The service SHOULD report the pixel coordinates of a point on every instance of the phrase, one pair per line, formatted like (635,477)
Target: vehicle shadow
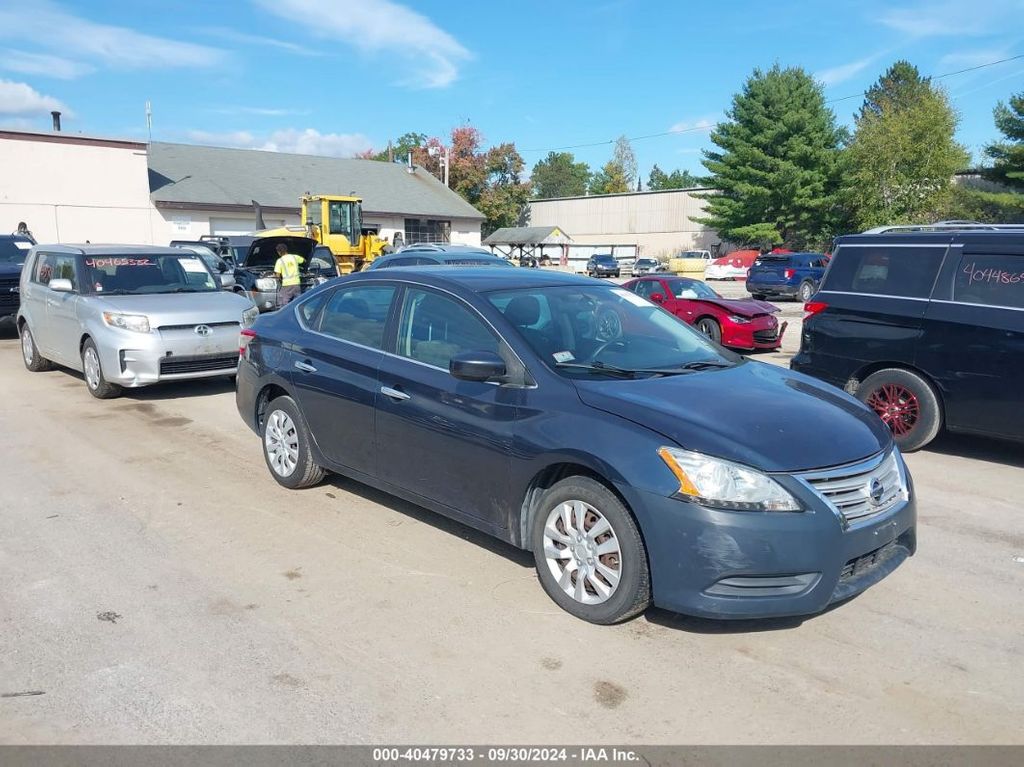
(437,521)
(200,387)
(979,448)
(8,331)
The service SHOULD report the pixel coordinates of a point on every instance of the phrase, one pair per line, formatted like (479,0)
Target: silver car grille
(863,490)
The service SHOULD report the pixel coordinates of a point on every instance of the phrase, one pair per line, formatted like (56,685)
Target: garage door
(229,226)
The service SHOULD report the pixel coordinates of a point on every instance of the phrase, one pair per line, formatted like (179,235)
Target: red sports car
(740,323)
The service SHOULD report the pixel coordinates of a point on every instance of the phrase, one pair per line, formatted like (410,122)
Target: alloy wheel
(897,406)
(91,365)
(582,552)
(282,443)
(28,349)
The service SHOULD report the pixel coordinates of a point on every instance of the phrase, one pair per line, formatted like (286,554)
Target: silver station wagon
(128,315)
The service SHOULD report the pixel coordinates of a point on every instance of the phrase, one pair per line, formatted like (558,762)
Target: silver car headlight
(266,283)
(138,323)
(249,316)
(725,485)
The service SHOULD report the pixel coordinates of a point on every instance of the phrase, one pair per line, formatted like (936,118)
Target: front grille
(864,564)
(862,490)
(198,364)
(194,325)
(766,336)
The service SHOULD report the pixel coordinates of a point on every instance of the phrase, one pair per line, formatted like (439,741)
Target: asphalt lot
(157,586)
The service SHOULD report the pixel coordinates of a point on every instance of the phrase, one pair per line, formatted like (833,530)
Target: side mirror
(61,285)
(476,366)
(656,298)
(222,267)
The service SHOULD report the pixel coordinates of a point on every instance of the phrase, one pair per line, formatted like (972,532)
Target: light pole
(443,159)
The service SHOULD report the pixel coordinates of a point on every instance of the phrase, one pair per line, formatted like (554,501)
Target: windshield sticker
(563,356)
(102,263)
(98,287)
(22,245)
(633,298)
(192,265)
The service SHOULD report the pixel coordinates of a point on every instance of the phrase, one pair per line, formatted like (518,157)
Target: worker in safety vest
(287,270)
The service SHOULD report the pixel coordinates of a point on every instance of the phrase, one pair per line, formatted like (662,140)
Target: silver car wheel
(91,368)
(28,349)
(582,552)
(281,441)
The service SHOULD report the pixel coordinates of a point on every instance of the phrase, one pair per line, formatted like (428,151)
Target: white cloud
(431,55)
(953,17)
(693,126)
(843,72)
(23,100)
(258,41)
(48,25)
(290,140)
(43,64)
(260,111)
(967,59)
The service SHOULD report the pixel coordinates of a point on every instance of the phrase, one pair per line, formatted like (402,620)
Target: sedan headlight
(266,283)
(138,323)
(725,485)
(249,316)
(739,320)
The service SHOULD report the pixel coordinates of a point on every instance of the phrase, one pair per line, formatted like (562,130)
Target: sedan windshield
(585,331)
(691,289)
(147,273)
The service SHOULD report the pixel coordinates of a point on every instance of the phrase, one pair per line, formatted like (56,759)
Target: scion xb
(576,420)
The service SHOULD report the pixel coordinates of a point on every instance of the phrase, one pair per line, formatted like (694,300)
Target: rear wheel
(98,386)
(286,446)
(30,353)
(589,554)
(805,291)
(906,403)
(710,328)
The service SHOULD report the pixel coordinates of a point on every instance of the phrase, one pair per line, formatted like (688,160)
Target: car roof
(480,279)
(430,247)
(111,249)
(440,256)
(935,238)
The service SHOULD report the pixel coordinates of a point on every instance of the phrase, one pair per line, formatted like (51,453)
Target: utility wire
(696,128)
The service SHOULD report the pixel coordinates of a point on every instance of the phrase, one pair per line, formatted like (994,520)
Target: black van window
(990,280)
(883,270)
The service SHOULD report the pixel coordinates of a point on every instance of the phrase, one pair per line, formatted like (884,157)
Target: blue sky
(338,76)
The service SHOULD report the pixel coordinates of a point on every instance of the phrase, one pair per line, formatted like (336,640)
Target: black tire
(98,386)
(758,296)
(710,328)
(30,352)
(632,595)
(305,472)
(896,386)
(806,291)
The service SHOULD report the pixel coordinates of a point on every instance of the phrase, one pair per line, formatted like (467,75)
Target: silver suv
(128,315)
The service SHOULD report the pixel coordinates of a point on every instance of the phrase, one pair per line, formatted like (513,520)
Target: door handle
(387,391)
(305,367)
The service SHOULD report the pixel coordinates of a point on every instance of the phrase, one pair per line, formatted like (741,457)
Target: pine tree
(1008,155)
(776,163)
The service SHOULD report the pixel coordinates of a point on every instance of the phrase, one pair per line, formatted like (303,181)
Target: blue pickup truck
(791,275)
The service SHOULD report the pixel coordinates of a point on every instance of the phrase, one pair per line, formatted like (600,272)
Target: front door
(334,371)
(973,342)
(438,437)
(62,330)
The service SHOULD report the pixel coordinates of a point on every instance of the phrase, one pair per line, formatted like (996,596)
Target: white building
(659,223)
(70,188)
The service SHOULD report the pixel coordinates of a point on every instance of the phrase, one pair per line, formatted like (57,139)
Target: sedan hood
(178,308)
(744,307)
(754,413)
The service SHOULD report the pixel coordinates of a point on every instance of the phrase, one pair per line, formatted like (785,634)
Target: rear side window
(996,280)
(358,314)
(882,270)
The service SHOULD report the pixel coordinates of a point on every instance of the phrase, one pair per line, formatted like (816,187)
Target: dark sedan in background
(558,414)
(603,265)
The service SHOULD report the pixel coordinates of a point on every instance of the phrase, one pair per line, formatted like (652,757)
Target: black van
(926,327)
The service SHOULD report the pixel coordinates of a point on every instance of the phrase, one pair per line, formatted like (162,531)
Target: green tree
(677,179)
(1008,155)
(903,155)
(624,157)
(611,179)
(901,84)
(505,196)
(776,163)
(559,175)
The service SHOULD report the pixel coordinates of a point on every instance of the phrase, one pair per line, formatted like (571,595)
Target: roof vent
(56,121)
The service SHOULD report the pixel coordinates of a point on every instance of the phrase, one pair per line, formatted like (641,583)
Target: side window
(358,314)
(52,267)
(434,328)
(309,308)
(882,270)
(43,270)
(990,280)
(646,287)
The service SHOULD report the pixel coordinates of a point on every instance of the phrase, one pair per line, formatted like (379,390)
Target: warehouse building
(72,188)
(659,223)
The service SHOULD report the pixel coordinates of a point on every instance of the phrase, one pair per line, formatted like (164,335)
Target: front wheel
(30,352)
(286,446)
(710,328)
(906,403)
(806,291)
(95,382)
(589,554)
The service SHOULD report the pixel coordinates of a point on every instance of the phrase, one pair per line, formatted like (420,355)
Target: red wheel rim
(897,406)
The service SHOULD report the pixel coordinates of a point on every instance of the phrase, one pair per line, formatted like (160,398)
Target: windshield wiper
(598,367)
(705,365)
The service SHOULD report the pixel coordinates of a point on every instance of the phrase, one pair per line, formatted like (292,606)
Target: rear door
(973,342)
(334,370)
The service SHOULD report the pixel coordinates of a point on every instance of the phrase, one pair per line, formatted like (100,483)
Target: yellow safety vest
(288,267)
